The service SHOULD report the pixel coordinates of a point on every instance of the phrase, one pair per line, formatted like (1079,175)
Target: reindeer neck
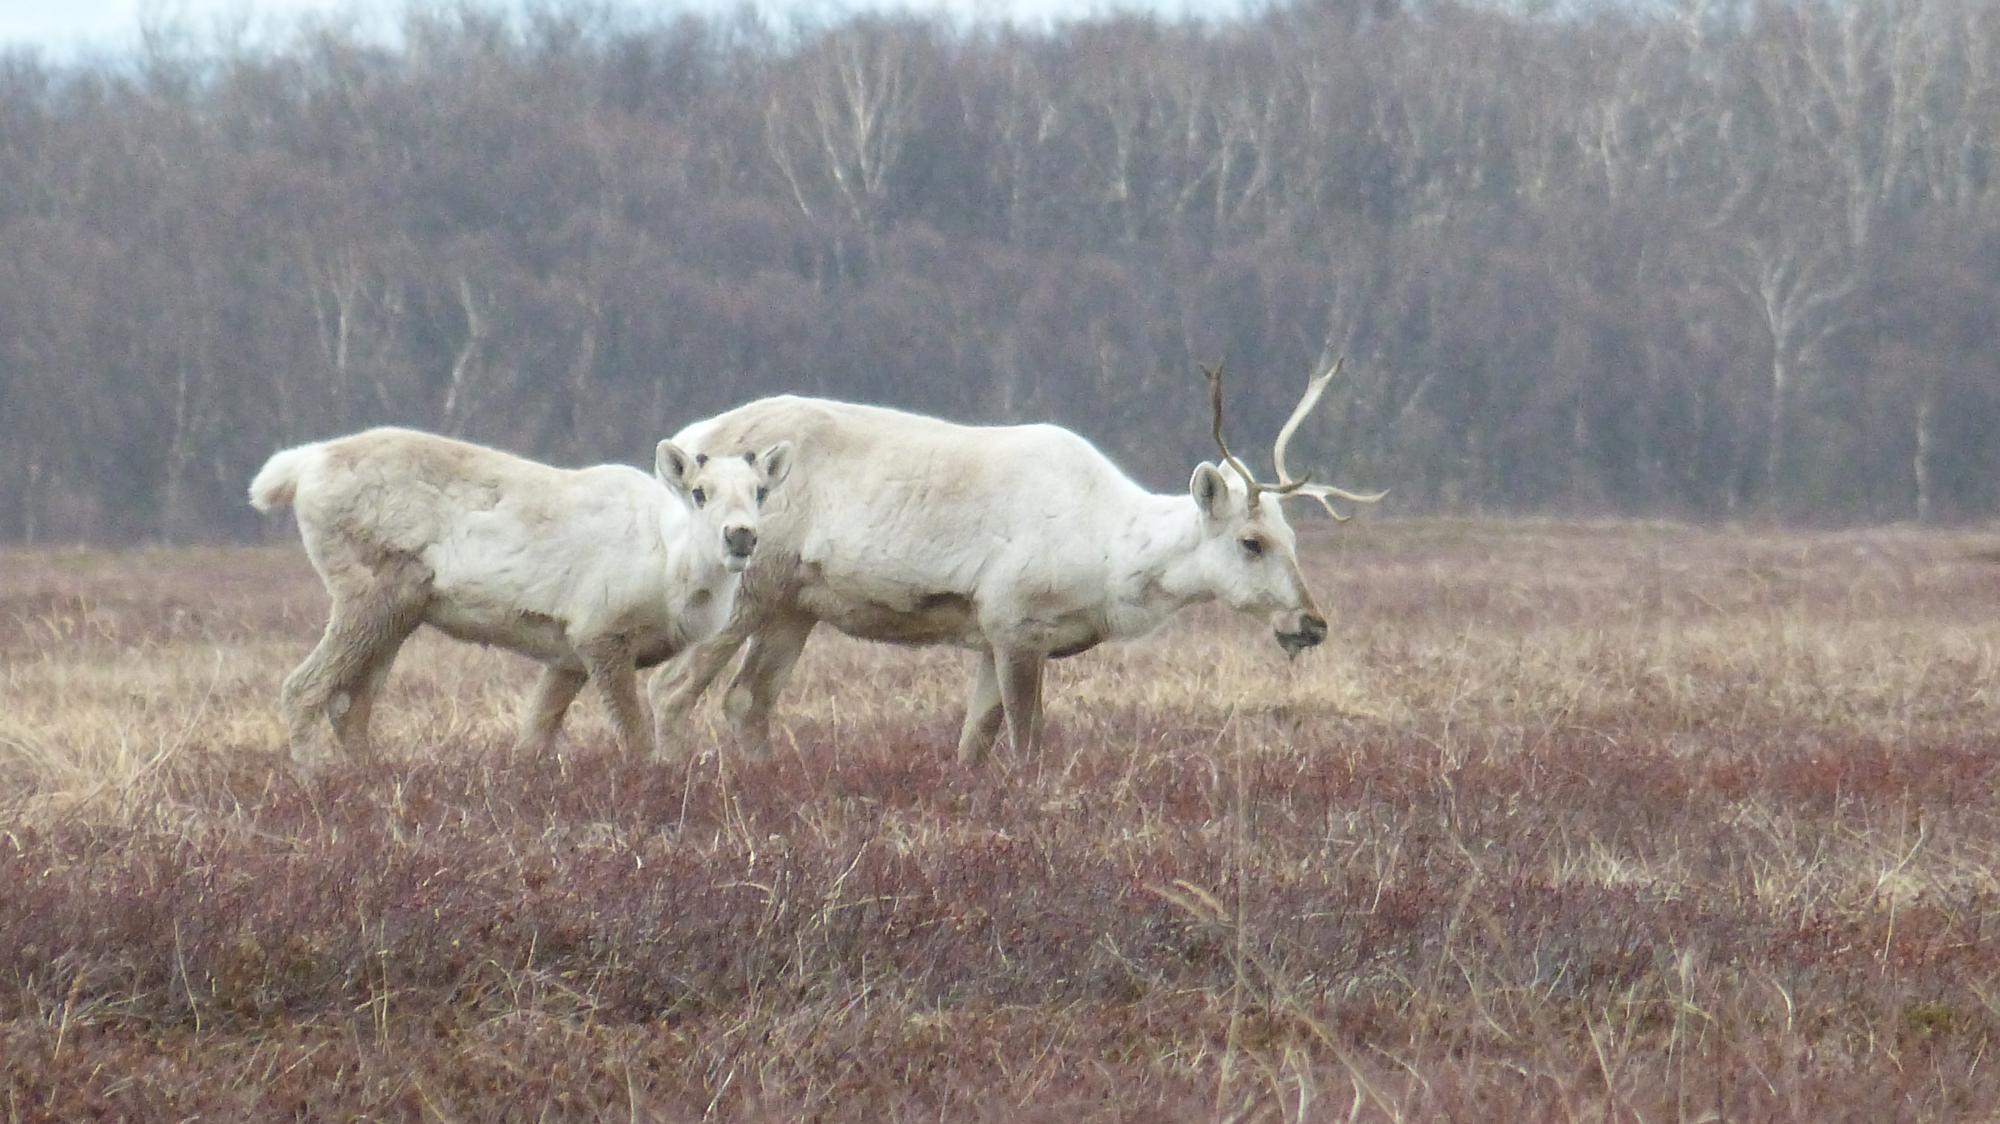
(1157,574)
(682,563)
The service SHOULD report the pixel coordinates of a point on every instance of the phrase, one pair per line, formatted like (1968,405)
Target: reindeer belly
(1076,647)
(536,635)
(654,648)
(659,639)
(918,618)
(1062,635)
(484,591)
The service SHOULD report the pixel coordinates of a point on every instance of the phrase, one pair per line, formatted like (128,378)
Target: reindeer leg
(339,679)
(609,663)
(304,696)
(554,691)
(680,683)
(772,654)
(983,712)
(350,722)
(1020,675)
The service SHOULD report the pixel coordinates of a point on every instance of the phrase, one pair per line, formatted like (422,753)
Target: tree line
(1711,259)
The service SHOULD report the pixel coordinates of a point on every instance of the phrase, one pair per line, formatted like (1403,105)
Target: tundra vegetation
(1563,822)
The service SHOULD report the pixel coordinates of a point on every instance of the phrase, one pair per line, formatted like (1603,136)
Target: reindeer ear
(1210,491)
(776,462)
(673,465)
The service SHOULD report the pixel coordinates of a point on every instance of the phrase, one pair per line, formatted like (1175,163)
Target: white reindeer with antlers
(1022,543)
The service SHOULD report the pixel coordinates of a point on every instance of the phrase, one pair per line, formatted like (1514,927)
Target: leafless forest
(1696,259)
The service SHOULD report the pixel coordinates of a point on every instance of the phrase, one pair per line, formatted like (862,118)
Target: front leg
(982,712)
(680,682)
(609,662)
(1021,697)
(769,660)
(556,689)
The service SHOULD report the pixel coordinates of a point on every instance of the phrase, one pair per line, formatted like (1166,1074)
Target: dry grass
(1570,822)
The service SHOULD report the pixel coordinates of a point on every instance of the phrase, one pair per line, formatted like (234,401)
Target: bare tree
(464,382)
(841,129)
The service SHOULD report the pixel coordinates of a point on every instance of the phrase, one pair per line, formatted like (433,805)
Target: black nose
(1312,630)
(742,540)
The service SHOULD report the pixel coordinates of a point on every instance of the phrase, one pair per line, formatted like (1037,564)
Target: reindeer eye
(700,497)
(761,493)
(1253,547)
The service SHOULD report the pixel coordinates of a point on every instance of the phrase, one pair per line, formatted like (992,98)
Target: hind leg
(339,679)
(772,654)
(374,611)
(352,709)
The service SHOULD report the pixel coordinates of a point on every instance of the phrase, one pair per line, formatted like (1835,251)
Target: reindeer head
(725,495)
(1249,552)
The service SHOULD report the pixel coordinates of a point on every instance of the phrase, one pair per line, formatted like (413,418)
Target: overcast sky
(63,26)
(68,24)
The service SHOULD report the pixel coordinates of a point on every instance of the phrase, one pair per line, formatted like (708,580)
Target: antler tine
(1332,510)
(1214,377)
(1321,492)
(1314,388)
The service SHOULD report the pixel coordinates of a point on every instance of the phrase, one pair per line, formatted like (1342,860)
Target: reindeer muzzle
(739,542)
(1305,630)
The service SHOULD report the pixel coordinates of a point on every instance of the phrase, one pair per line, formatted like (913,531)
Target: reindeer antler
(1288,486)
(1250,482)
(1214,377)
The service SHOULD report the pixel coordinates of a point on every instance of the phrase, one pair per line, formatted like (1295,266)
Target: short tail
(278,481)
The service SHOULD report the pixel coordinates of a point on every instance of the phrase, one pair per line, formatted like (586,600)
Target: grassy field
(1567,822)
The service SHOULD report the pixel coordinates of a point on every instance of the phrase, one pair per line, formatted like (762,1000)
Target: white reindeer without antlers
(595,572)
(1022,543)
